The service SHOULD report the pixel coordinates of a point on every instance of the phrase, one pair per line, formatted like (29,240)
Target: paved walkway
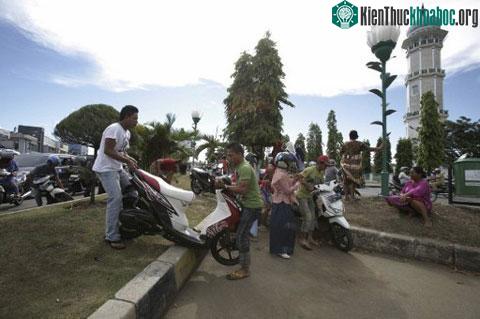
(327,283)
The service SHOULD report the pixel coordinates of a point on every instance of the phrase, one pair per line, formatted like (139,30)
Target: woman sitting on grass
(415,196)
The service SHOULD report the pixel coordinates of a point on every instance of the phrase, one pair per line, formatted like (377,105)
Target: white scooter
(46,187)
(329,208)
(152,206)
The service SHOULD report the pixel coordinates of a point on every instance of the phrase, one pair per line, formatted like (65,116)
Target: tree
(160,140)
(335,139)
(431,134)
(377,160)
(85,126)
(404,154)
(367,159)
(462,137)
(211,145)
(255,98)
(314,142)
(300,144)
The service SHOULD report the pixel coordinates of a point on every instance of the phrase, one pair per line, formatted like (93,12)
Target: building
(4,134)
(53,146)
(37,132)
(77,149)
(22,143)
(423,45)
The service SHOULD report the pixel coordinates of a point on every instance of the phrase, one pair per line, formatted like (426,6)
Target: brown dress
(352,162)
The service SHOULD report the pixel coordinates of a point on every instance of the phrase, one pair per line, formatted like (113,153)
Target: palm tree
(211,144)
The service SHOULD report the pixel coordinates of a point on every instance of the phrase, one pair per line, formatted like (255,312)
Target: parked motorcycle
(46,186)
(204,181)
(154,207)
(10,198)
(75,184)
(329,210)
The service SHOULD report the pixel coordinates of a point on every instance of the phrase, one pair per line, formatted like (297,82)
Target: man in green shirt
(310,176)
(251,200)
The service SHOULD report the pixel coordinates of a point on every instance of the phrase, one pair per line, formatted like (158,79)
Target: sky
(178,56)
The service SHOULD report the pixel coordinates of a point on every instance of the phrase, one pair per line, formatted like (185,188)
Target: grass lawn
(54,263)
(450,223)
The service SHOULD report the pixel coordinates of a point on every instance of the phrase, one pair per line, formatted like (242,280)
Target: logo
(344,15)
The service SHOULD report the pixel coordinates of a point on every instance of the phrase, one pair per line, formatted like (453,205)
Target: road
(327,283)
(29,203)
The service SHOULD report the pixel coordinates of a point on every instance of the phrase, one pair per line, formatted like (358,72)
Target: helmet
(251,158)
(285,160)
(53,160)
(331,162)
(403,169)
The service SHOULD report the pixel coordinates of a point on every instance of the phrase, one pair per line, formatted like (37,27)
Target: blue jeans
(10,185)
(113,182)
(249,215)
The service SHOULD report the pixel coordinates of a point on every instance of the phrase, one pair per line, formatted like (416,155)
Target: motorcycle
(46,186)
(329,210)
(204,181)
(75,185)
(10,198)
(154,207)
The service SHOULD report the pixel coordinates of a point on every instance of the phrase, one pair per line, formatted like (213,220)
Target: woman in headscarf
(282,222)
(415,196)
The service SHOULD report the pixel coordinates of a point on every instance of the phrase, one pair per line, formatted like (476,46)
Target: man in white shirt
(108,165)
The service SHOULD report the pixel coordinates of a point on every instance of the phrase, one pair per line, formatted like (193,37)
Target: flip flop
(237,275)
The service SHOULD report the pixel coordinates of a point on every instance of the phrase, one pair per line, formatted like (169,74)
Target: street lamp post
(382,41)
(196,119)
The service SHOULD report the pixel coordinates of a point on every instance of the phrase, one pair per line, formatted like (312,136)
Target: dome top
(420,27)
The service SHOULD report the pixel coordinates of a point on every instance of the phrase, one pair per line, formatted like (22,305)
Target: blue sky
(45,75)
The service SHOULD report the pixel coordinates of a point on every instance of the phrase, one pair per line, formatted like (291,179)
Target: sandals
(237,275)
(116,244)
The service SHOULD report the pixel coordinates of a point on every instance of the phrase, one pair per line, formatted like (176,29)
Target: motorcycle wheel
(196,186)
(224,250)
(127,233)
(18,201)
(342,238)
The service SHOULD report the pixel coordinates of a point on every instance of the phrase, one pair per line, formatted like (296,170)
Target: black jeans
(249,215)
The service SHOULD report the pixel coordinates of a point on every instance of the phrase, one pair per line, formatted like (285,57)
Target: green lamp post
(195,118)
(382,41)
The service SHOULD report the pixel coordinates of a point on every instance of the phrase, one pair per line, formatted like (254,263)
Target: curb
(150,293)
(424,249)
(62,204)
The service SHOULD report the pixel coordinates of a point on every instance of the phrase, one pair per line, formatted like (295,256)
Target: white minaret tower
(425,73)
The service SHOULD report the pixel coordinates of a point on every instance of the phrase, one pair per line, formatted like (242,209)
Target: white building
(424,45)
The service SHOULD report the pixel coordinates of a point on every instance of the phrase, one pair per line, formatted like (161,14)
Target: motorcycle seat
(174,192)
(166,189)
(200,171)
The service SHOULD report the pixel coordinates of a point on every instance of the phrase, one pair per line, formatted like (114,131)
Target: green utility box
(467,176)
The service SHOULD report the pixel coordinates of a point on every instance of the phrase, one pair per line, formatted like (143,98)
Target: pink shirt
(283,187)
(419,191)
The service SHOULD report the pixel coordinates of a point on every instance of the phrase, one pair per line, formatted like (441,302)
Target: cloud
(137,44)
